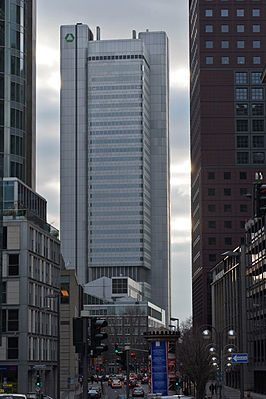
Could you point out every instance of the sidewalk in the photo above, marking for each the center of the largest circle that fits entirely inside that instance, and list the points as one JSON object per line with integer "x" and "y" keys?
{"x": 231, "y": 393}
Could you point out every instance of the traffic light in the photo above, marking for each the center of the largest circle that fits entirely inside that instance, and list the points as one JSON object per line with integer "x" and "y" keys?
{"x": 260, "y": 199}
{"x": 78, "y": 334}
{"x": 116, "y": 348}
{"x": 38, "y": 380}
{"x": 97, "y": 336}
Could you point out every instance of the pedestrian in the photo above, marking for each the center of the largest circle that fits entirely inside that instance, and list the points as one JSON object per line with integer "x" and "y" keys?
{"x": 211, "y": 388}
{"x": 215, "y": 389}
{"x": 92, "y": 379}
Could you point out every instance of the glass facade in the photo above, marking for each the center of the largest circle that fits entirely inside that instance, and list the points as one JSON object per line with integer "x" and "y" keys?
{"x": 119, "y": 231}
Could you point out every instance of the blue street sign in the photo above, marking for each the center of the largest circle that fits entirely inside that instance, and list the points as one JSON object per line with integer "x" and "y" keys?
{"x": 239, "y": 358}
{"x": 159, "y": 375}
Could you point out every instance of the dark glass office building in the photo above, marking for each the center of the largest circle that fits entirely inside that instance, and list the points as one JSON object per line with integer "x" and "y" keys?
{"x": 17, "y": 89}
{"x": 227, "y": 56}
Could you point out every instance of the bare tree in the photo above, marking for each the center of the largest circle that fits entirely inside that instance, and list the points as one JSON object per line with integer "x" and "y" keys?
{"x": 193, "y": 358}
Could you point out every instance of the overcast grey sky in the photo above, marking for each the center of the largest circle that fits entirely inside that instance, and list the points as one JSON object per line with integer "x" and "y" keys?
{"x": 117, "y": 19}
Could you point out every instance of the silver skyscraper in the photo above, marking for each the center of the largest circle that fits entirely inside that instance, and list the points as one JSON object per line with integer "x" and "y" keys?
{"x": 115, "y": 198}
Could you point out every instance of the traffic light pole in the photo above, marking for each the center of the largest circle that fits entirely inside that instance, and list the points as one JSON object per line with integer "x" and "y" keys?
{"x": 127, "y": 363}
{"x": 85, "y": 358}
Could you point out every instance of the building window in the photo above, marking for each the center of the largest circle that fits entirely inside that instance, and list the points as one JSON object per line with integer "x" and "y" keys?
{"x": 209, "y": 60}
{"x": 256, "y": 43}
{"x": 212, "y": 240}
{"x": 242, "y": 125}
{"x": 211, "y": 192}
{"x": 240, "y": 28}
{"x": 258, "y": 141}
{"x": 4, "y": 292}
{"x": 12, "y": 347}
{"x": 241, "y": 109}
{"x": 257, "y": 109}
{"x": 258, "y": 157}
{"x": 227, "y": 208}
{"x": 227, "y": 175}
{"x": 243, "y": 208}
{"x": 255, "y": 77}
{"x": 212, "y": 258}
{"x": 242, "y": 141}
{"x": 227, "y": 224}
{"x": 241, "y": 94}
{"x": 240, "y": 44}
{"x": 212, "y": 224}
{"x": 258, "y": 125}
{"x": 257, "y": 93}
{"x": 255, "y": 12}
{"x": 225, "y": 60}
{"x": 228, "y": 240}
{"x": 209, "y": 44}
{"x": 224, "y": 44}
{"x": 209, "y": 28}
{"x": 208, "y": 13}
{"x": 242, "y": 157}
{"x": 211, "y": 208}
{"x": 211, "y": 175}
{"x": 256, "y": 28}
{"x": 13, "y": 264}
{"x": 12, "y": 321}
{"x": 227, "y": 192}
{"x": 241, "y": 78}
{"x": 256, "y": 60}
{"x": 243, "y": 175}
{"x": 224, "y": 13}
{"x": 240, "y": 13}
{"x": 224, "y": 28}
{"x": 241, "y": 60}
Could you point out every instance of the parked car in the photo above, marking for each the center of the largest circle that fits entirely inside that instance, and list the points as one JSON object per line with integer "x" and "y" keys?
{"x": 138, "y": 392}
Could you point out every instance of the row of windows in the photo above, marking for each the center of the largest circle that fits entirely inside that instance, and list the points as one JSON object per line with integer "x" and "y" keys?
{"x": 117, "y": 87}
{"x": 116, "y": 123}
{"x": 114, "y": 204}
{"x": 227, "y": 224}
{"x": 112, "y": 249}
{"x": 114, "y": 96}
{"x": 227, "y": 44}
{"x": 227, "y": 191}
{"x": 113, "y": 114}
{"x": 115, "y": 177}
{"x": 225, "y": 60}
{"x": 256, "y": 109}
{"x": 226, "y": 28}
{"x": 116, "y": 57}
{"x": 117, "y": 231}
{"x": 242, "y": 93}
{"x": 114, "y": 105}
{"x": 227, "y": 240}
{"x": 257, "y": 125}
{"x": 242, "y": 77}
{"x": 257, "y": 141}
{"x": 116, "y": 159}
{"x": 114, "y": 150}
{"x": 244, "y": 157}
{"x": 227, "y": 208}
{"x": 114, "y": 222}
{"x": 239, "y": 12}
{"x": 111, "y": 132}
{"x": 110, "y": 259}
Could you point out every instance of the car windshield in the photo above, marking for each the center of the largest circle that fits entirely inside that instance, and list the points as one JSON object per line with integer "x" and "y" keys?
{"x": 12, "y": 397}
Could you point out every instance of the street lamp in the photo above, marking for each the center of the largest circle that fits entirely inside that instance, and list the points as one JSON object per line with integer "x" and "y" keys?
{"x": 57, "y": 296}
{"x": 219, "y": 335}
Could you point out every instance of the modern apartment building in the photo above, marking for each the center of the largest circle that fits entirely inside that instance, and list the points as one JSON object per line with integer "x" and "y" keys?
{"x": 227, "y": 43}
{"x": 115, "y": 203}
{"x": 17, "y": 90}
{"x": 30, "y": 293}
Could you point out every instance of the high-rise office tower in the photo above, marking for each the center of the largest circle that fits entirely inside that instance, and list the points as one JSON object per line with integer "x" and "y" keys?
{"x": 115, "y": 158}
{"x": 227, "y": 55}
{"x": 17, "y": 90}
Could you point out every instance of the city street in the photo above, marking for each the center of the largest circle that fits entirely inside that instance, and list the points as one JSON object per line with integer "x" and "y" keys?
{"x": 110, "y": 393}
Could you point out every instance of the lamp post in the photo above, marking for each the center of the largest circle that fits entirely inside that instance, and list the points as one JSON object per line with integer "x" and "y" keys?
{"x": 219, "y": 335}
{"x": 57, "y": 296}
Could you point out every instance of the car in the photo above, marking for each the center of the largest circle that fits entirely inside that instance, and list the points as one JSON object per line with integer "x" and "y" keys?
{"x": 133, "y": 383}
{"x": 13, "y": 396}
{"x": 138, "y": 392}
{"x": 145, "y": 380}
{"x": 94, "y": 393}
{"x": 116, "y": 384}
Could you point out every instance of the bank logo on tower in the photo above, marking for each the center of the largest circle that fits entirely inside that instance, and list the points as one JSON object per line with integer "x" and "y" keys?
{"x": 69, "y": 37}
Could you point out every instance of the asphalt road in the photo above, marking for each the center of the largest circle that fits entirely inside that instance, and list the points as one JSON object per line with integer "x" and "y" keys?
{"x": 112, "y": 393}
